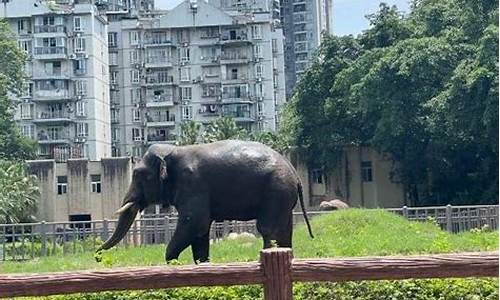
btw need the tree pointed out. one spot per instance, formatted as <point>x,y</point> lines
<point>421,87</point>
<point>190,133</point>
<point>223,129</point>
<point>12,144</point>
<point>18,193</point>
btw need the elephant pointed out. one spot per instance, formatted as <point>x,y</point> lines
<point>224,180</point>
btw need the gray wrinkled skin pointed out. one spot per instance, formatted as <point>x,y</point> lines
<point>226,180</point>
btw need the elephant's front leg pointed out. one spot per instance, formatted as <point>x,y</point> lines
<point>201,248</point>
<point>182,238</point>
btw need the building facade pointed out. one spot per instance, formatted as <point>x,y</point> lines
<point>65,103</point>
<point>195,62</point>
<point>304,23</point>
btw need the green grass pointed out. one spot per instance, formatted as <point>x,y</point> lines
<point>353,232</point>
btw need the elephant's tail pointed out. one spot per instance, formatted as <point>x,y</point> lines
<point>301,199</point>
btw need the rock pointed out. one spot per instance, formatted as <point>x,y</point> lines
<point>335,204</point>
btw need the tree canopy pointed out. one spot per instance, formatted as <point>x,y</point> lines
<point>12,144</point>
<point>422,87</point>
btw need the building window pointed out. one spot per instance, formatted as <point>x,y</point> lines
<point>134,76</point>
<point>112,39</point>
<point>28,131</point>
<point>185,74</point>
<point>79,44</point>
<point>186,93</point>
<point>82,129</point>
<point>80,66</point>
<point>259,70</point>
<point>62,185</point>
<point>317,176</point>
<point>77,24</point>
<point>95,183</point>
<point>27,111</point>
<point>113,76</point>
<point>81,87</point>
<point>274,43</point>
<point>136,134</point>
<point>260,108</point>
<point>133,37</point>
<point>256,31</point>
<point>113,58</point>
<point>136,115</point>
<point>184,54</point>
<point>134,57</point>
<point>366,171</point>
<point>187,112</point>
<point>80,109</point>
<point>257,51</point>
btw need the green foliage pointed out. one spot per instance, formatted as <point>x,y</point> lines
<point>421,87</point>
<point>12,144</point>
<point>18,193</point>
<point>190,132</point>
<point>223,129</point>
<point>227,129</point>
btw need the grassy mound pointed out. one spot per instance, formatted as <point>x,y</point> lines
<point>354,232</point>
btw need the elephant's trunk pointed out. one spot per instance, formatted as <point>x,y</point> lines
<point>127,217</point>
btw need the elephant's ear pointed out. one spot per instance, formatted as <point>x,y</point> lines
<point>163,169</point>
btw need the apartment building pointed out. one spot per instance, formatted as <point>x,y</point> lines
<point>65,102</point>
<point>195,62</point>
<point>304,23</point>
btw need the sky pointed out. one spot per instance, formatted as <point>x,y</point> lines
<point>348,15</point>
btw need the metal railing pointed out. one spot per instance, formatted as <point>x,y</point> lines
<point>29,240</point>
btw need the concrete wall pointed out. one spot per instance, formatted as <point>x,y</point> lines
<point>80,199</point>
<point>347,184</point>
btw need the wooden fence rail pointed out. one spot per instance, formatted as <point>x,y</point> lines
<point>276,271</point>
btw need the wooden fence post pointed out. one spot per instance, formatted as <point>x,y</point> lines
<point>449,225</point>
<point>405,212</point>
<point>276,264</point>
<point>43,236</point>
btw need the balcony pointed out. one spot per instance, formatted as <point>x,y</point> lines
<point>239,80</point>
<point>55,117</point>
<point>234,58</point>
<point>160,121</point>
<point>158,42</point>
<point>50,53</point>
<point>160,139</point>
<point>160,101</point>
<point>57,138</point>
<point>50,29</point>
<point>236,98</point>
<point>158,62</point>
<point>239,116</point>
<point>155,80</point>
<point>210,60</point>
<point>52,95</point>
<point>238,38</point>
<point>60,75</point>
<point>60,153</point>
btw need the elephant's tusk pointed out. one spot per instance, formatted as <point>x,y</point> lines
<point>125,207</point>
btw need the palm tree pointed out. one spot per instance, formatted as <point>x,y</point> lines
<point>190,132</point>
<point>223,129</point>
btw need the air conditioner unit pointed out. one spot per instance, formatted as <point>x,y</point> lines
<point>86,56</point>
<point>72,56</point>
<point>185,44</point>
<point>137,138</point>
<point>258,79</point>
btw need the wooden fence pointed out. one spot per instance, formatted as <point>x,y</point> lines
<point>30,240</point>
<point>276,271</point>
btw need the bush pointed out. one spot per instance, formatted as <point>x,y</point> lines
<point>428,289</point>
